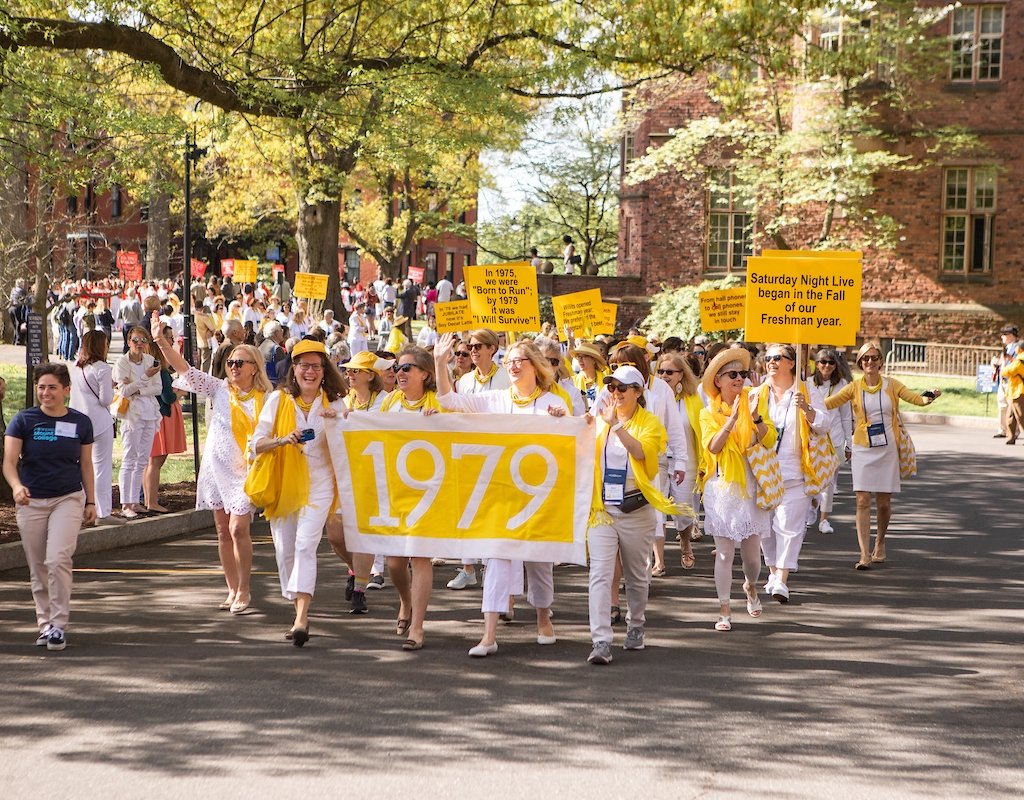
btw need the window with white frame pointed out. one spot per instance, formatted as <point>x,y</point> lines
<point>968,219</point>
<point>977,43</point>
<point>730,235</point>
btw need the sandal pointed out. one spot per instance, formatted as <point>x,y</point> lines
<point>724,624</point>
<point>402,627</point>
<point>753,606</point>
<point>412,644</point>
<point>687,561</point>
<point>862,565</point>
<point>658,573</point>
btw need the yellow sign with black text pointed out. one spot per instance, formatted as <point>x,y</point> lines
<point>578,311</point>
<point>310,286</point>
<point>722,309</point>
<point>245,271</point>
<point>610,312</point>
<point>503,297</point>
<point>453,317</point>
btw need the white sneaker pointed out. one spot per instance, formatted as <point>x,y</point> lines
<point>462,580</point>
<point>770,583</point>
<point>44,636</point>
<point>812,516</point>
<point>825,527</point>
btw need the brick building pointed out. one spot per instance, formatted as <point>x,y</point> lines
<point>957,271</point>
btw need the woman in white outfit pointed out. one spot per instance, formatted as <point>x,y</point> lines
<point>732,422</point>
<point>796,413</point>
<point>830,375</point>
<point>531,393</point>
<point>235,404</point>
<point>92,392</point>
<point>292,421</point>
<point>137,375</point>
<point>358,329</point>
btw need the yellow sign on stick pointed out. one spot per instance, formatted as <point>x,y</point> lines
<point>465,485</point>
<point>579,311</point>
<point>722,309</point>
<point>610,312</point>
<point>245,271</point>
<point>803,299</point>
<point>310,286</point>
<point>503,296</point>
<point>453,316</point>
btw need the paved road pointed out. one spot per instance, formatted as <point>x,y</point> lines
<point>903,682</point>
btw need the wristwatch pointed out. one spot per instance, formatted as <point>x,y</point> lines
<point>616,427</point>
<point>757,421</point>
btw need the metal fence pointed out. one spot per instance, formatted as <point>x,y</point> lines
<point>939,360</point>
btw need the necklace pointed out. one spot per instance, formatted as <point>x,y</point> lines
<point>415,405</point>
<point>486,378</point>
<point>522,402</point>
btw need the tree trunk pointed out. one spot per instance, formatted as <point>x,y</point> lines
<point>316,237</point>
<point>158,236</point>
<point>12,231</point>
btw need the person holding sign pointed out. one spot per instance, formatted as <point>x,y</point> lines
<point>876,461</point>
<point>235,404</point>
<point>732,423</point>
<point>796,413</point>
<point>291,427</point>
<point>416,393</point>
<point>630,440</point>
<point>531,392</point>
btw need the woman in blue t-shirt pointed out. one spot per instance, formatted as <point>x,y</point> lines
<point>48,464</point>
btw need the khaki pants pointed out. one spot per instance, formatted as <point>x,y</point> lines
<point>631,537</point>
<point>1015,418</point>
<point>49,533</point>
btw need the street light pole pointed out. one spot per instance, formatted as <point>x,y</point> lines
<point>192,155</point>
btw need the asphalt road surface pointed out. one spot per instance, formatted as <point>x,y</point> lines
<point>901,682</point>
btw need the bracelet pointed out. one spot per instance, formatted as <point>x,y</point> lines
<point>615,427</point>
<point>757,421</point>
<point>90,504</point>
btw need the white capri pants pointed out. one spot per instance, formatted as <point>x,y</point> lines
<point>630,536</point>
<point>296,539</point>
<point>684,493</point>
<point>781,547</point>
<point>137,441</point>
<point>504,578</point>
<point>102,468</point>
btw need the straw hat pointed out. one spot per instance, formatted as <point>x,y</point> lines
<point>587,349</point>
<point>309,346</point>
<point>401,319</point>
<point>727,356</point>
<point>367,360</point>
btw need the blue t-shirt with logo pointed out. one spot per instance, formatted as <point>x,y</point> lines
<point>51,448</point>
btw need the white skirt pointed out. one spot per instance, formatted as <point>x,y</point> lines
<point>876,469</point>
<point>727,513</point>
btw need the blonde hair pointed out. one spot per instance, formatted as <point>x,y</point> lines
<point>688,381</point>
<point>260,380</point>
<point>545,374</point>
<point>484,336</point>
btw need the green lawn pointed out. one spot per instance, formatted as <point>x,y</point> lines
<point>958,397</point>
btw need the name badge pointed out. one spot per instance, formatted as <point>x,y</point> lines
<point>614,486</point>
<point>66,430</point>
<point>876,435</point>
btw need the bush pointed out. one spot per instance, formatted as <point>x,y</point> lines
<point>676,312</point>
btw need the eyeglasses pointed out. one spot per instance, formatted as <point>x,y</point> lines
<point>733,374</point>
<point>462,354</point>
<point>776,357</point>
<point>237,363</point>
<point>871,358</point>
<point>476,346</point>
<point>515,362</point>
<point>351,371</point>
<point>669,371</point>
<point>302,367</point>
<point>700,352</point>
<point>404,367</point>
<point>826,362</point>
<point>555,362</point>
<point>133,340</point>
<point>620,387</point>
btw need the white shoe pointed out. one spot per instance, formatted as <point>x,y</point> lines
<point>825,527</point>
<point>541,639</point>
<point>812,516</point>
<point>780,592</point>
<point>769,584</point>
<point>462,580</point>
<point>482,650</point>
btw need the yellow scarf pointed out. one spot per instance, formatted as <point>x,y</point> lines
<point>731,461</point>
<point>353,404</point>
<point>396,398</point>
<point>523,402</point>
<point>242,425</point>
<point>293,462</point>
<point>805,436</point>
<point>694,405</point>
<point>647,428</point>
<point>486,378</point>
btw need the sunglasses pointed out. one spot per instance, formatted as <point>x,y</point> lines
<point>669,371</point>
<point>138,341</point>
<point>351,371</point>
<point>871,359</point>
<point>404,367</point>
<point>555,362</point>
<point>476,346</point>
<point>733,374</point>
<point>775,358</point>
<point>462,354</point>
<point>237,363</point>
<point>700,352</point>
<point>826,362</point>
<point>620,387</point>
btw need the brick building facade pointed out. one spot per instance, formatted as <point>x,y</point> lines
<point>957,271</point>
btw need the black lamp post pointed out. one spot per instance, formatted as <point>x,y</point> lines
<point>192,155</point>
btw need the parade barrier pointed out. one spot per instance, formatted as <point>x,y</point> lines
<point>465,485</point>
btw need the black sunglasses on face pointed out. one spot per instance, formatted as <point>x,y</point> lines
<point>826,362</point>
<point>238,363</point>
<point>476,346</point>
<point>668,371</point>
<point>619,387</point>
<point>554,361</point>
<point>404,367</point>
<point>700,352</point>
<point>733,374</point>
<point>462,353</point>
<point>776,357</point>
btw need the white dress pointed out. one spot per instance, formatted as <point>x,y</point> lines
<point>877,469</point>
<point>224,467</point>
<point>358,330</point>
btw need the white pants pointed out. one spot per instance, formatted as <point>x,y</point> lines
<point>378,566</point>
<point>504,578</point>
<point>631,537</point>
<point>826,498</point>
<point>684,493</point>
<point>296,539</point>
<point>102,468</point>
<point>781,547</point>
<point>137,441</point>
<point>725,554</point>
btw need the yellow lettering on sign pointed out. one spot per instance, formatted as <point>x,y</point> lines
<point>453,317</point>
<point>580,311</point>
<point>805,298</point>
<point>722,309</point>
<point>503,296</point>
<point>310,286</point>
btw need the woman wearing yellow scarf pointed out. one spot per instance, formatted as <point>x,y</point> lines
<point>236,403</point>
<point>729,428</point>
<point>292,423</point>
<point>629,441</point>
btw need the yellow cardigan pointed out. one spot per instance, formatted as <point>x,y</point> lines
<point>853,393</point>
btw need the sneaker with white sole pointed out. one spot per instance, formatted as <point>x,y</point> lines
<point>462,580</point>
<point>634,639</point>
<point>56,640</point>
<point>769,584</point>
<point>601,654</point>
<point>780,591</point>
<point>825,527</point>
<point>375,582</point>
<point>44,636</point>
